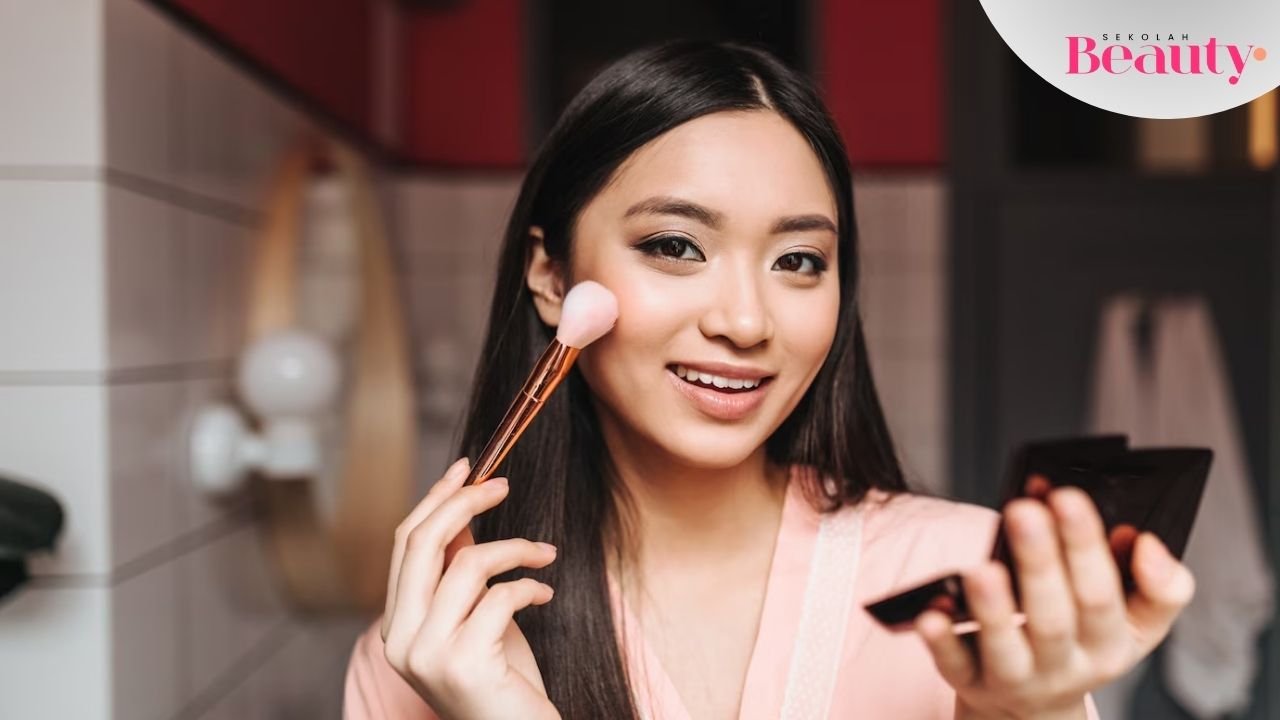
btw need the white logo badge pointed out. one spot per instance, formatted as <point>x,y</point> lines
<point>1148,58</point>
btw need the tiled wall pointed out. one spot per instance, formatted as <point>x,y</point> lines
<point>902,220</point>
<point>131,162</point>
<point>456,224</point>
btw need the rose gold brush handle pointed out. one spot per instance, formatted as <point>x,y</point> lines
<point>550,369</point>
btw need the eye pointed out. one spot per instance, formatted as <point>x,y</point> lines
<point>671,247</point>
<point>794,261</point>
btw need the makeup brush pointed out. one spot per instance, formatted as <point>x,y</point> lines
<point>589,312</point>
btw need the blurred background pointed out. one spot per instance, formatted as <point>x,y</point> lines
<point>1023,255</point>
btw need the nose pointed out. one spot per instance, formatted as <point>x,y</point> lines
<point>739,309</point>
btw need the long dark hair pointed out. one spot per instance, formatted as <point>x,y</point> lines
<point>560,480</point>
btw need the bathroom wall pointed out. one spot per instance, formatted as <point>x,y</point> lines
<point>457,222</point>
<point>902,223</point>
<point>132,159</point>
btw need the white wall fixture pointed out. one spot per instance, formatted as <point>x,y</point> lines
<point>326,416</point>
<point>288,379</point>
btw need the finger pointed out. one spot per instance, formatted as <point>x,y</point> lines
<point>463,539</point>
<point>1004,656</point>
<point>955,662</point>
<point>1095,578</point>
<point>1165,586</point>
<point>496,610</point>
<point>445,486</point>
<point>1044,586</point>
<point>467,579</point>
<point>424,552</point>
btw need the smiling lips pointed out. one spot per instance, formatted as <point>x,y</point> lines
<point>716,395</point>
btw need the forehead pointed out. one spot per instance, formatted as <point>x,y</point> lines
<point>752,165</point>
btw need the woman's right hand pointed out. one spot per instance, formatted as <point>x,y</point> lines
<point>453,638</point>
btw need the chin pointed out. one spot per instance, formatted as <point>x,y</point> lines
<point>729,448</point>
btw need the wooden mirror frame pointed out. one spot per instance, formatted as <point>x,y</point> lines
<point>340,562</point>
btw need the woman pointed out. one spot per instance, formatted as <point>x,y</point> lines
<point>713,547</point>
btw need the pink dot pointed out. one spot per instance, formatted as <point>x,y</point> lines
<point>1233,79</point>
<point>1260,53</point>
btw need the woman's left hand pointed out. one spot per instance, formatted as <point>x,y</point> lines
<point>1080,632</point>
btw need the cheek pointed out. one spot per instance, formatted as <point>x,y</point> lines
<point>806,325</point>
<point>635,352</point>
<point>651,310</point>
<point>642,292</point>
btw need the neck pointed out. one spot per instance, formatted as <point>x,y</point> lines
<point>680,520</point>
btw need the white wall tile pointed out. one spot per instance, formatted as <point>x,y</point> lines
<point>904,305</point>
<point>902,225</point>
<point>50,79</point>
<point>212,273</point>
<point>51,275</point>
<point>139,79</point>
<point>56,655</point>
<point>922,453</point>
<point>147,636</point>
<point>143,289</point>
<point>435,456</point>
<point>207,105</point>
<point>236,704</point>
<point>431,299</point>
<point>305,678</point>
<point>55,438</point>
<point>450,229</point>
<point>912,383</point>
<point>901,220</point>
<point>232,130</point>
<point>464,218</point>
<point>232,601</point>
<point>147,447</point>
<point>426,208</point>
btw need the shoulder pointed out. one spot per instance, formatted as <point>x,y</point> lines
<point>907,537</point>
<point>895,515</point>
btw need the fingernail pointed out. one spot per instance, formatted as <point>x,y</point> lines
<point>550,590</point>
<point>548,546</point>
<point>499,482</point>
<point>1038,486</point>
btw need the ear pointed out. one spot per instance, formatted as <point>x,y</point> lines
<point>545,279</point>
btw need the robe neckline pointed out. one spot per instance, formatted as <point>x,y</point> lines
<point>772,665</point>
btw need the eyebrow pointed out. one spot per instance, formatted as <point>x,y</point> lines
<point>667,205</point>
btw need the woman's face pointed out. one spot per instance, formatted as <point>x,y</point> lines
<point>719,240</point>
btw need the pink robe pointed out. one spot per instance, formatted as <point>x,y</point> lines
<point>818,653</point>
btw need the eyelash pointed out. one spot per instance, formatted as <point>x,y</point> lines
<point>651,247</point>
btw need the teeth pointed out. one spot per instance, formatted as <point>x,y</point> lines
<point>714,380</point>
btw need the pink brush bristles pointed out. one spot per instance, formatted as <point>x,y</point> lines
<point>590,311</point>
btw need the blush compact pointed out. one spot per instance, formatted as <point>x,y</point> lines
<point>1134,489</point>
